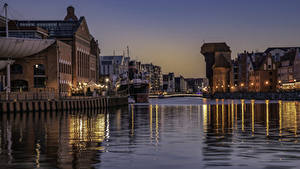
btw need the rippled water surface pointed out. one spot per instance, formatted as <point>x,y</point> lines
<point>167,133</point>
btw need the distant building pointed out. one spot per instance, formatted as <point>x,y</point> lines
<point>196,85</point>
<point>262,73</point>
<point>289,71</point>
<point>211,52</point>
<point>169,83</point>
<point>113,67</point>
<point>154,75</point>
<point>180,84</point>
<point>278,52</point>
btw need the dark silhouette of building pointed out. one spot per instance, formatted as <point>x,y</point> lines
<point>211,52</point>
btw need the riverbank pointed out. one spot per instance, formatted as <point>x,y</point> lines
<point>256,96</point>
<point>67,104</point>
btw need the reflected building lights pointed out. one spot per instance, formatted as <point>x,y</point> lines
<point>38,152</point>
<point>243,115</point>
<point>156,125</point>
<point>280,117</point>
<point>232,114</point>
<point>150,122</point>
<point>223,118</point>
<point>107,129</point>
<point>132,120</point>
<point>252,116</point>
<point>267,117</point>
<point>204,114</point>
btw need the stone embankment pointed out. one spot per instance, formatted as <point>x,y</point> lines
<point>66,104</point>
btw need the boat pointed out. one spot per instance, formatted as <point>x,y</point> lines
<point>137,85</point>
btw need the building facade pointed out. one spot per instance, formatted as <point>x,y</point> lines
<point>211,52</point>
<point>70,62</point>
<point>262,73</point>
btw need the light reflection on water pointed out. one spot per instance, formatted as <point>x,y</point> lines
<point>168,133</point>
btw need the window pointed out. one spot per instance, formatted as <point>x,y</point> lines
<point>39,82</point>
<point>16,69</point>
<point>39,69</point>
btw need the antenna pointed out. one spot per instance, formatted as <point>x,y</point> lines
<point>114,53</point>
<point>128,54</point>
<point>6,19</point>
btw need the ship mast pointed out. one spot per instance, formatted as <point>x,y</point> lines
<point>6,19</point>
<point>9,61</point>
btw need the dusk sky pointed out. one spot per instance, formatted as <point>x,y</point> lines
<point>170,33</point>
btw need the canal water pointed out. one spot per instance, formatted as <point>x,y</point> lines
<point>167,133</point>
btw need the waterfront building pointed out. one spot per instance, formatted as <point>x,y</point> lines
<point>113,67</point>
<point>154,75</point>
<point>38,65</point>
<point>74,54</point>
<point>221,75</point>
<point>289,71</point>
<point>239,73</point>
<point>278,52</point>
<point>169,83</point>
<point>262,73</point>
<point>211,52</point>
<point>234,76</point>
<point>196,85</point>
<point>180,84</point>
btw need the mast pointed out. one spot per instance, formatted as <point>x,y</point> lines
<point>128,54</point>
<point>6,19</point>
<point>9,61</point>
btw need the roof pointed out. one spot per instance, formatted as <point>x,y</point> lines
<point>221,62</point>
<point>289,56</point>
<point>22,47</point>
<point>56,28</point>
<point>281,48</point>
<point>118,59</point>
<point>215,47</point>
<point>257,59</point>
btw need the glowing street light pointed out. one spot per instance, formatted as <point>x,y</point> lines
<point>267,82</point>
<point>107,80</point>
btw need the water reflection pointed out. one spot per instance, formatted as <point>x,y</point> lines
<point>217,133</point>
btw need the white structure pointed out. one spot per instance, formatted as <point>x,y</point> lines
<point>114,67</point>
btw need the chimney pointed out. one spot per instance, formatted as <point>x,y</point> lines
<point>71,14</point>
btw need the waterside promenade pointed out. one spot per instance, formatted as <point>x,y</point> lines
<point>44,102</point>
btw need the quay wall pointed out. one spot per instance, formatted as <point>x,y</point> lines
<point>256,96</point>
<point>70,104</point>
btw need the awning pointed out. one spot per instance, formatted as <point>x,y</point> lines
<point>21,47</point>
<point>4,63</point>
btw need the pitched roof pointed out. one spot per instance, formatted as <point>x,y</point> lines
<point>257,59</point>
<point>289,56</point>
<point>215,47</point>
<point>281,48</point>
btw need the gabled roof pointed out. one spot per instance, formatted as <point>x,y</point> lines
<point>215,47</point>
<point>289,56</point>
<point>257,59</point>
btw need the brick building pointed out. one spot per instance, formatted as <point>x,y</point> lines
<point>262,73</point>
<point>74,53</point>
